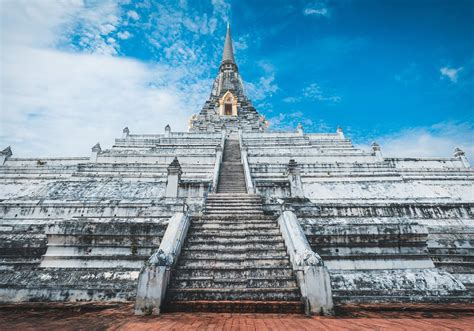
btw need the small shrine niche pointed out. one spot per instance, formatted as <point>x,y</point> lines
<point>228,105</point>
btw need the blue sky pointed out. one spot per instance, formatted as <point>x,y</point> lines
<point>398,72</point>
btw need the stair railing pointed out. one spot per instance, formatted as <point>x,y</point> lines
<point>245,163</point>
<point>155,274</point>
<point>311,273</point>
<point>218,162</point>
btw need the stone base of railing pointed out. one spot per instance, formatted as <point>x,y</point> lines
<point>312,275</point>
<point>151,290</point>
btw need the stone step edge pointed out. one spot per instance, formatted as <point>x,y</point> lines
<point>235,306</point>
<point>235,259</point>
<point>228,268</point>
<point>237,250</point>
<point>233,212</point>
<point>226,225</point>
<point>215,219</point>
<point>240,290</point>
<point>219,280</point>
<point>220,233</point>
<point>246,302</point>
<point>232,242</point>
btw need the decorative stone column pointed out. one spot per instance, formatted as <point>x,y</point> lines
<point>340,132</point>
<point>174,177</point>
<point>126,132</point>
<point>5,155</point>
<point>377,151</point>
<point>459,154</point>
<point>167,131</point>
<point>294,177</point>
<point>95,151</point>
<point>299,129</point>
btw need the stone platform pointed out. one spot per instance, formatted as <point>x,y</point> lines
<point>120,317</point>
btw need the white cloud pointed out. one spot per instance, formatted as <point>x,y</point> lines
<point>221,9</point>
<point>123,35</point>
<point>291,99</point>
<point>438,140</point>
<point>59,95</point>
<point>451,73</point>
<point>35,23</point>
<point>289,122</point>
<point>317,12</point>
<point>314,92</point>
<point>133,15</point>
<point>59,103</point>
<point>317,8</point>
<point>241,43</point>
<point>265,86</point>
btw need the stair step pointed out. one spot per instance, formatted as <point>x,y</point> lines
<point>234,249</point>
<point>234,254</point>
<point>223,245</point>
<point>253,260</point>
<point>232,233</point>
<point>240,272</point>
<point>232,241</point>
<point>221,206</point>
<point>236,306</point>
<point>201,282</point>
<point>228,226</point>
<point>231,211</point>
<point>211,254</point>
<point>233,203</point>
<point>236,219</point>
<point>264,294</point>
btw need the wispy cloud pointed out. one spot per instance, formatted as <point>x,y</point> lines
<point>317,8</point>
<point>265,86</point>
<point>133,15</point>
<point>313,92</point>
<point>450,73</point>
<point>64,85</point>
<point>289,122</point>
<point>438,140</point>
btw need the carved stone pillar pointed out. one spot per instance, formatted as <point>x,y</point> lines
<point>167,131</point>
<point>294,177</point>
<point>126,132</point>
<point>174,177</point>
<point>340,132</point>
<point>95,151</point>
<point>299,129</point>
<point>5,155</point>
<point>459,154</point>
<point>377,151</point>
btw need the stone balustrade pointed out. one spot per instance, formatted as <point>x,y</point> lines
<point>312,275</point>
<point>155,275</point>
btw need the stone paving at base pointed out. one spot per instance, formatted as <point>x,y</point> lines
<point>120,317</point>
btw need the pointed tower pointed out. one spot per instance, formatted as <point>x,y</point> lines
<point>228,106</point>
<point>228,59</point>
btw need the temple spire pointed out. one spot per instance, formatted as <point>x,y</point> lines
<point>228,56</point>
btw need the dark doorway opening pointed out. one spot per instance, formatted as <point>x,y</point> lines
<point>228,109</point>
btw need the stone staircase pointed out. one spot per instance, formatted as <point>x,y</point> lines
<point>231,176</point>
<point>234,258</point>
